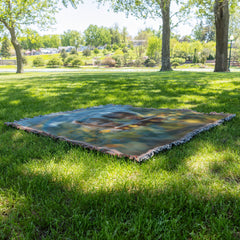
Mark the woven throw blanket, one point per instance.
(125, 131)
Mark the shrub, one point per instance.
(119, 60)
(150, 62)
(63, 54)
(74, 51)
(38, 62)
(68, 60)
(109, 61)
(138, 62)
(125, 50)
(178, 60)
(96, 50)
(118, 52)
(54, 62)
(76, 62)
(109, 48)
(105, 52)
(115, 46)
(126, 59)
(86, 52)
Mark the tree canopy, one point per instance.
(17, 15)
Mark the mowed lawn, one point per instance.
(53, 190)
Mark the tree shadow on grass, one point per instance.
(37, 95)
(43, 206)
(110, 198)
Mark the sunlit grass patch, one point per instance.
(52, 190)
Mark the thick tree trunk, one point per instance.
(17, 48)
(165, 8)
(221, 12)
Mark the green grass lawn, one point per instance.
(52, 190)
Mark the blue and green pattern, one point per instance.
(128, 131)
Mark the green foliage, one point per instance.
(205, 33)
(175, 64)
(145, 35)
(71, 38)
(109, 47)
(97, 36)
(74, 51)
(115, 47)
(86, 52)
(5, 49)
(31, 40)
(63, 54)
(77, 62)
(96, 50)
(105, 51)
(178, 60)
(138, 62)
(118, 52)
(150, 62)
(125, 50)
(54, 62)
(119, 60)
(73, 61)
(17, 14)
(68, 60)
(51, 41)
(192, 50)
(154, 48)
(38, 62)
(115, 35)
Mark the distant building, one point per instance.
(48, 50)
(137, 43)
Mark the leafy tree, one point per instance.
(154, 48)
(234, 26)
(145, 8)
(16, 15)
(51, 41)
(221, 10)
(5, 49)
(124, 35)
(31, 41)
(97, 36)
(205, 33)
(72, 38)
(115, 35)
(144, 34)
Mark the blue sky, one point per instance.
(89, 13)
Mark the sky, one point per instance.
(88, 13)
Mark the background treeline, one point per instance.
(115, 47)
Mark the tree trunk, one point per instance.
(17, 48)
(221, 12)
(165, 8)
